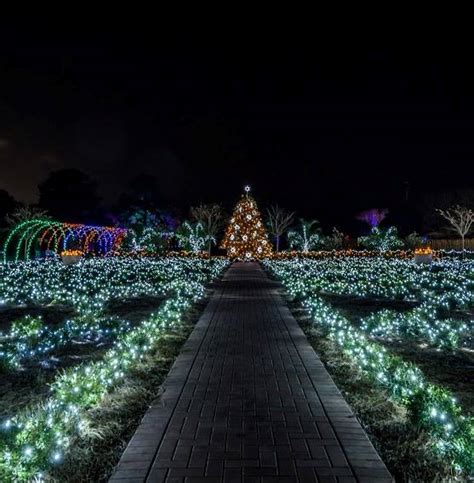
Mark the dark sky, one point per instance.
(323, 128)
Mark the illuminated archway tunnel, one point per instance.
(48, 235)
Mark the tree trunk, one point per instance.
(278, 243)
(462, 244)
(210, 246)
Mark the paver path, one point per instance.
(249, 400)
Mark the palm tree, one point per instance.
(307, 237)
(191, 236)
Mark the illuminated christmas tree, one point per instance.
(246, 237)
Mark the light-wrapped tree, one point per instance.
(307, 237)
(211, 218)
(149, 231)
(461, 219)
(381, 239)
(191, 237)
(245, 237)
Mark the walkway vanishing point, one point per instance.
(248, 400)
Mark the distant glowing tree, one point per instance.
(307, 237)
(381, 239)
(211, 217)
(246, 237)
(278, 222)
(191, 237)
(460, 219)
(372, 217)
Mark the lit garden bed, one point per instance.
(97, 351)
(431, 309)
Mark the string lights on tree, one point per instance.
(246, 237)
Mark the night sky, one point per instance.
(323, 129)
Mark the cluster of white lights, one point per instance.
(31, 339)
(437, 291)
(89, 285)
(37, 437)
(443, 286)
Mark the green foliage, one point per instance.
(28, 327)
(381, 239)
(29, 338)
(24, 333)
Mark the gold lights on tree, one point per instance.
(246, 237)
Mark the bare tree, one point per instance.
(278, 222)
(211, 217)
(460, 218)
(26, 213)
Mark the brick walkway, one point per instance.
(249, 400)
